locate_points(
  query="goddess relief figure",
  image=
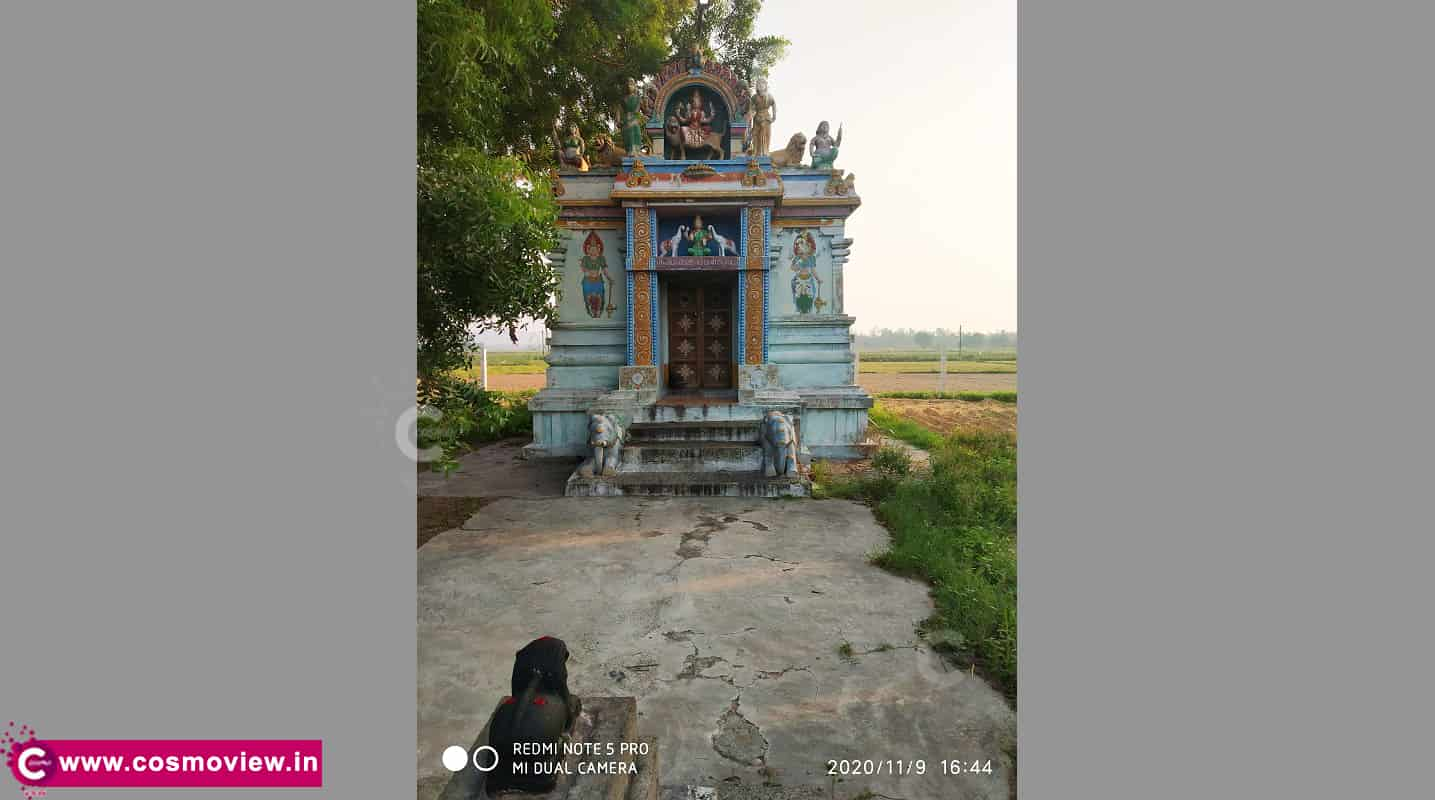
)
(762, 112)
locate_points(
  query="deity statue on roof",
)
(633, 118)
(824, 147)
(762, 112)
(572, 152)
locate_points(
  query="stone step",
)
(644, 784)
(747, 483)
(604, 720)
(720, 412)
(683, 456)
(694, 431)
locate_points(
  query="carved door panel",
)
(699, 335)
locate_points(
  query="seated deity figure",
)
(696, 122)
(571, 150)
(824, 147)
(700, 238)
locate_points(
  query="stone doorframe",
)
(753, 283)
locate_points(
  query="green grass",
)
(509, 363)
(903, 428)
(467, 416)
(954, 527)
(934, 355)
(932, 366)
(971, 397)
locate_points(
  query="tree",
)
(730, 24)
(494, 79)
(923, 339)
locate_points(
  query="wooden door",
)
(699, 334)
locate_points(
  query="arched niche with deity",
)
(700, 112)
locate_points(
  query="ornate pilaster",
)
(753, 283)
(640, 262)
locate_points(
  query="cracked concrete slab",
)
(498, 469)
(723, 617)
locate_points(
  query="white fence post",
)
(942, 376)
(483, 367)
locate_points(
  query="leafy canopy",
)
(495, 77)
(730, 23)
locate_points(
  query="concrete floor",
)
(499, 470)
(724, 618)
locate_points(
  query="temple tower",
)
(702, 286)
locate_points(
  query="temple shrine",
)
(701, 343)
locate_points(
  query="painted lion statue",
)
(791, 155)
(779, 445)
(605, 152)
(605, 438)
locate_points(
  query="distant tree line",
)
(913, 339)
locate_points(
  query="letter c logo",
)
(22, 763)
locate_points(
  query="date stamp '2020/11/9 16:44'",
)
(899, 766)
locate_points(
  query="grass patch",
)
(933, 366)
(903, 428)
(515, 363)
(954, 527)
(971, 397)
(457, 414)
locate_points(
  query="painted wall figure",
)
(596, 281)
(806, 284)
(824, 147)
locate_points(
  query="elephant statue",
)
(605, 438)
(779, 445)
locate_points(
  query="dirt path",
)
(965, 382)
(948, 416)
(514, 383)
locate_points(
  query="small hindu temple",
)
(701, 344)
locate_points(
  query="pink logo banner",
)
(166, 763)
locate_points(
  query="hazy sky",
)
(926, 93)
